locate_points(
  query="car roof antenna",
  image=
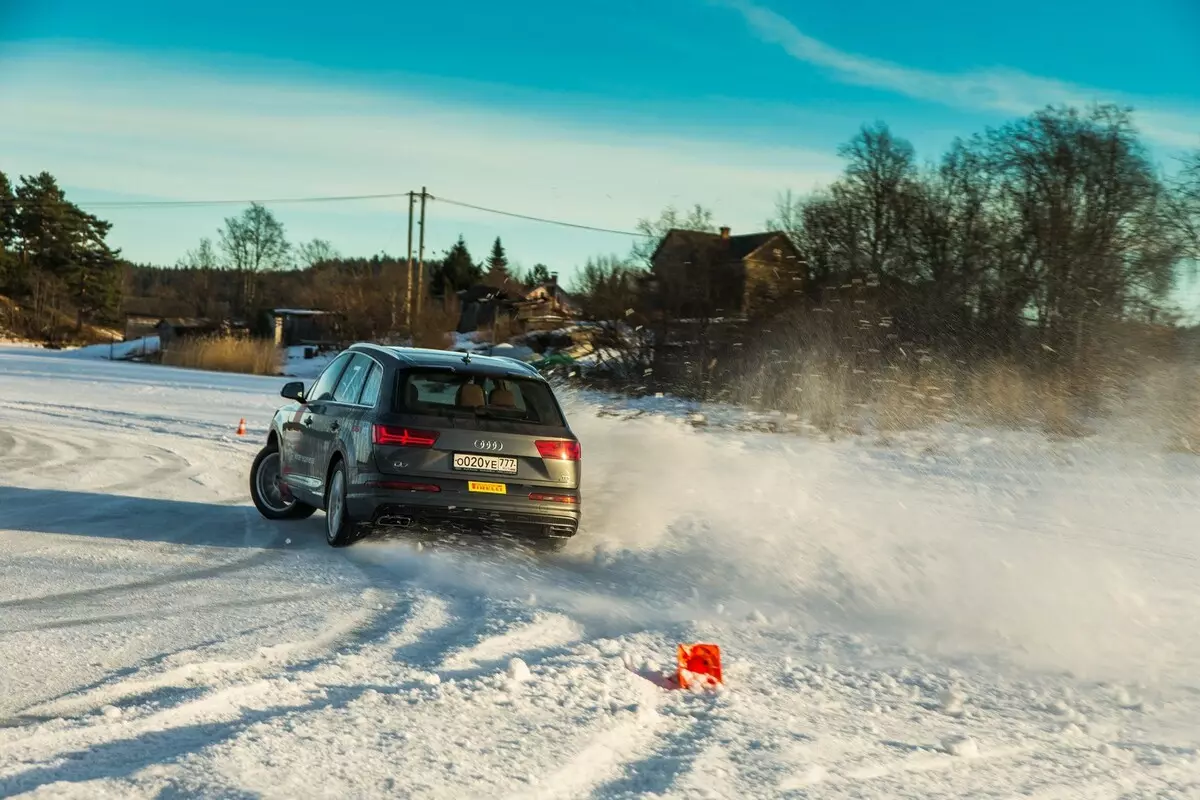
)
(467, 357)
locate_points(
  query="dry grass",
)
(1180, 411)
(225, 354)
(1004, 394)
(21, 323)
(833, 396)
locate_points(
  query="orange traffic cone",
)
(241, 431)
(699, 665)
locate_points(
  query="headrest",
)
(503, 397)
(411, 398)
(470, 395)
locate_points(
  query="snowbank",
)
(478, 344)
(117, 351)
(298, 365)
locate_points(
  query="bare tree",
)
(253, 242)
(880, 184)
(1088, 206)
(1185, 206)
(698, 218)
(203, 257)
(610, 294)
(317, 251)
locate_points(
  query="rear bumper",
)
(456, 507)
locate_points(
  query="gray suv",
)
(398, 436)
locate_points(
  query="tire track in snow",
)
(604, 756)
(82, 417)
(251, 681)
(546, 632)
(138, 463)
(171, 579)
(34, 450)
(162, 613)
(267, 659)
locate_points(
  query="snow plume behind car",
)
(980, 546)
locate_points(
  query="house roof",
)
(739, 247)
(188, 322)
(481, 292)
(565, 298)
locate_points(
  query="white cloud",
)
(142, 127)
(997, 90)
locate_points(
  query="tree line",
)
(60, 280)
(251, 266)
(1035, 235)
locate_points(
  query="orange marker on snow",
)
(241, 431)
(699, 665)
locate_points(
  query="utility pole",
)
(408, 289)
(421, 255)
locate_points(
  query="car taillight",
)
(404, 437)
(554, 498)
(560, 451)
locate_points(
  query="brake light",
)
(554, 498)
(404, 437)
(560, 451)
(405, 486)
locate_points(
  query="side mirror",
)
(293, 390)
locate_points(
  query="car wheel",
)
(268, 490)
(340, 529)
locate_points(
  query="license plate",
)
(487, 488)
(473, 462)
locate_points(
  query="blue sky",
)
(597, 113)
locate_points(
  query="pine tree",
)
(94, 276)
(8, 232)
(497, 267)
(540, 274)
(457, 271)
(63, 254)
(8, 212)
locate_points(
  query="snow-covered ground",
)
(116, 351)
(965, 615)
(297, 365)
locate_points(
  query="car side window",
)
(351, 384)
(370, 392)
(322, 390)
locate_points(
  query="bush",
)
(225, 354)
(435, 325)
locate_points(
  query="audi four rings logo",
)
(488, 444)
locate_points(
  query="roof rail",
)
(523, 365)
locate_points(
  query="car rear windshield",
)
(457, 393)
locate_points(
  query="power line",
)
(17, 202)
(136, 204)
(273, 201)
(461, 204)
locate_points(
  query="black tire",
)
(340, 528)
(269, 506)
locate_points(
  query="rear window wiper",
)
(514, 415)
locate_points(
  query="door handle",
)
(308, 420)
(334, 426)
